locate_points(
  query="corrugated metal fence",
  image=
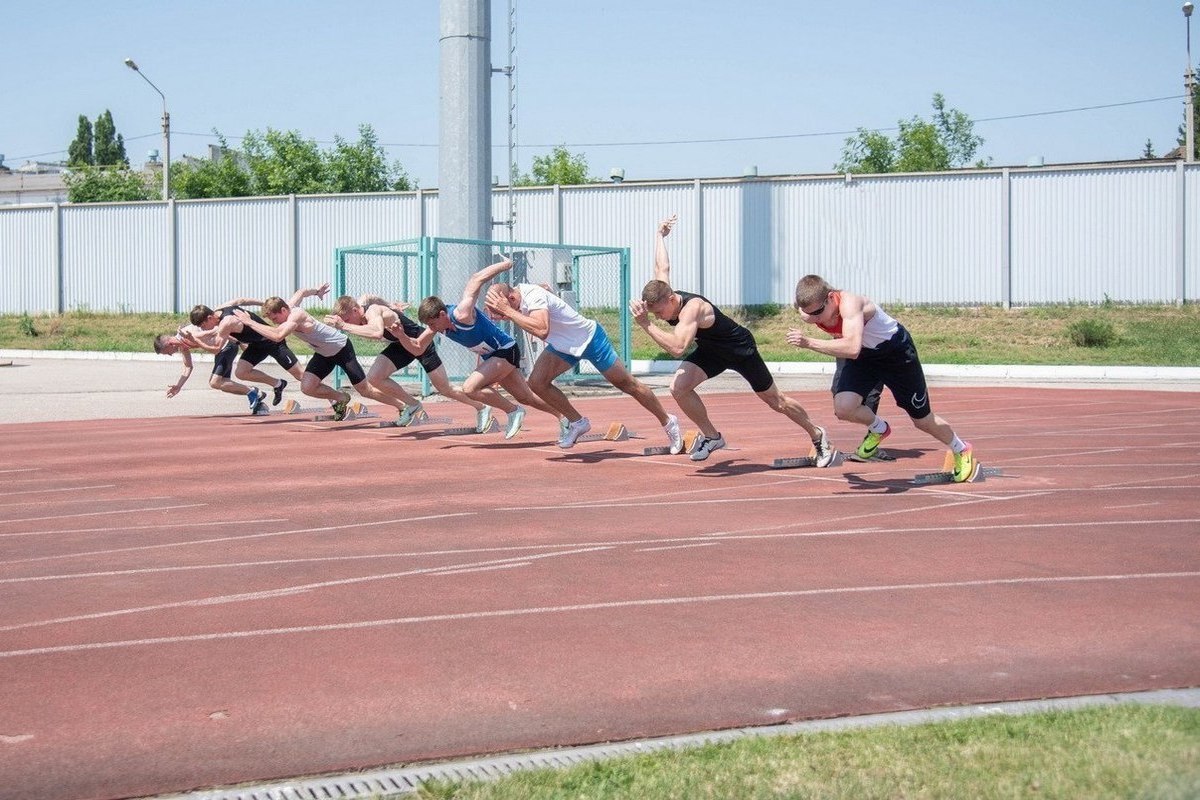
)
(1126, 233)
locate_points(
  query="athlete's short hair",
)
(656, 291)
(199, 314)
(811, 289)
(273, 305)
(431, 307)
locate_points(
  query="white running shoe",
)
(824, 452)
(483, 419)
(514, 422)
(707, 446)
(673, 434)
(576, 429)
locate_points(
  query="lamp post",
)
(1189, 79)
(129, 62)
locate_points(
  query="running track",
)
(194, 602)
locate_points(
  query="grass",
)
(1126, 751)
(1107, 335)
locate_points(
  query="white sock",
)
(879, 425)
(957, 445)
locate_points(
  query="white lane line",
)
(286, 591)
(72, 488)
(125, 528)
(674, 547)
(1131, 505)
(23, 469)
(1148, 481)
(65, 500)
(102, 513)
(602, 606)
(222, 539)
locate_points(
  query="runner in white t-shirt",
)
(570, 338)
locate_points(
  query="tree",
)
(560, 168)
(1148, 150)
(80, 151)
(362, 166)
(224, 176)
(109, 146)
(90, 184)
(279, 162)
(948, 141)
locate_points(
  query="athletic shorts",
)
(257, 352)
(223, 362)
(510, 354)
(870, 400)
(321, 366)
(599, 352)
(401, 358)
(751, 366)
(895, 364)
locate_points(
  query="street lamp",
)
(1189, 79)
(129, 62)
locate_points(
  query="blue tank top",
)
(483, 337)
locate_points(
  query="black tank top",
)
(411, 329)
(724, 334)
(246, 335)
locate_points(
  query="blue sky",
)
(626, 83)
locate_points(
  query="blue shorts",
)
(599, 352)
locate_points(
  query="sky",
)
(663, 89)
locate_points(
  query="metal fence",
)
(1087, 234)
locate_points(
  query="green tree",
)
(1148, 150)
(560, 168)
(79, 153)
(284, 163)
(224, 176)
(90, 184)
(109, 146)
(362, 166)
(948, 141)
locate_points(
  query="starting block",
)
(417, 421)
(806, 461)
(947, 474)
(355, 410)
(616, 432)
(691, 440)
(493, 427)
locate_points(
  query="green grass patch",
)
(1113, 752)
(1131, 335)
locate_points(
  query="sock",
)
(279, 383)
(879, 425)
(957, 445)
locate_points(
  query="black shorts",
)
(870, 400)
(223, 362)
(401, 358)
(257, 352)
(895, 364)
(749, 365)
(510, 354)
(321, 366)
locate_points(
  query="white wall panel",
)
(116, 257)
(1087, 235)
(28, 244)
(234, 248)
(1081, 235)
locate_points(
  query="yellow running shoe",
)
(964, 464)
(870, 442)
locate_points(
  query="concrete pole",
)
(465, 140)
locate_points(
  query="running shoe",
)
(964, 464)
(410, 414)
(707, 446)
(672, 429)
(261, 410)
(515, 418)
(483, 419)
(279, 392)
(870, 442)
(339, 409)
(574, 430)
(825, 454)
(254, 398)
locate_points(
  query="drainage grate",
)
(407, 780)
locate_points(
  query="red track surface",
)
(197, 602)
